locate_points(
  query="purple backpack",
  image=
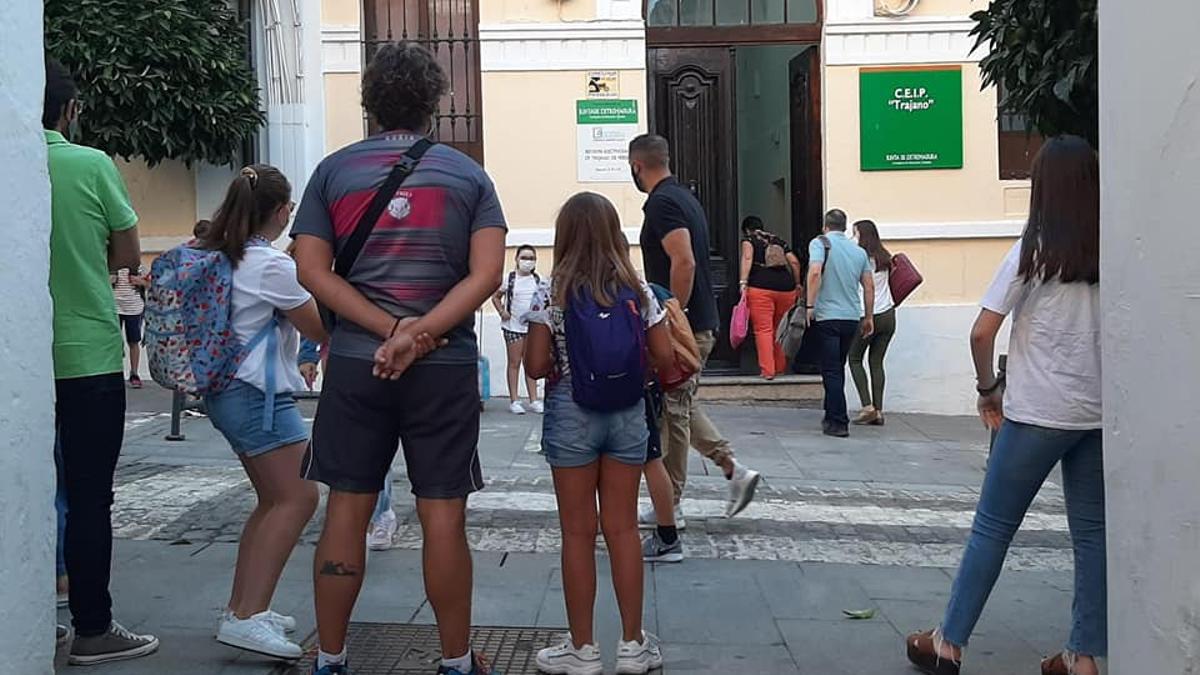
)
(607, 351)
(189, 334)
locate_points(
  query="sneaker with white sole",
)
(565, 659)
(648, 519)
(286, 624)
(382, 531)
(257, 634)
(741, 489)
(538, 407)
(116, 644)
(656, 551)
(516, 408)
(637, 658)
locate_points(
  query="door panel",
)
(692, 106)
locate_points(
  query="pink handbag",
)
(739, 323)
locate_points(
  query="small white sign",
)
(604, 130)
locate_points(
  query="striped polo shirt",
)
(419, 248)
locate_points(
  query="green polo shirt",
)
(88, 202)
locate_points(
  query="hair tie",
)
(252, 175)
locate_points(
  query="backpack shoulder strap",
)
(827, 245)
(508, 290)
(400, 172)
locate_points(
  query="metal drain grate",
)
(400, 649)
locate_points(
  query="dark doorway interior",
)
(744, 127)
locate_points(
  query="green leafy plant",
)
(165, 79)
(1044, 59)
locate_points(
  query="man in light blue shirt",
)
(837, 268)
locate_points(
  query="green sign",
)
(606, 112)
(911, 118)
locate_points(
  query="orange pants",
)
(766, 310)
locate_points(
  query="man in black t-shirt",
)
(674, 241)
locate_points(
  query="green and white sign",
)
(911, 118)
(604, 129)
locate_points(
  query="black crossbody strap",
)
(400, 173)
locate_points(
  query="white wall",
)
(26, 400)
(1150, 289)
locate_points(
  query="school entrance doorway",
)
(735, 89)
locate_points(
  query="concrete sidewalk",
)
(873, 522)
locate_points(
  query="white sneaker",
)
(516, 408)
(741, 489)
(382, 531)
(565, 659)
(636, 658)
(257, 634)
(648, 520)
(538, 407)
(285, 623)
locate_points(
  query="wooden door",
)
(805, 110)
(692, 106)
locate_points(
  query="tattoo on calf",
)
(330, 568)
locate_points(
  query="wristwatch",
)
(986, 391)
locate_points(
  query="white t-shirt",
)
(264, 284)
(1054, 348)
(129, 301)
(883, 289)
(524, 288)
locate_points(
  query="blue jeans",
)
(834, 339)
(60, 507)
(1021, 460)
(384, 502)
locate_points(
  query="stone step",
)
(802, 391)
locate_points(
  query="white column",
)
(27, 531)
(1150, 289)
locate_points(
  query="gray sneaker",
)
(117, 644)
(654, 550)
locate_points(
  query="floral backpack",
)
(189, 334)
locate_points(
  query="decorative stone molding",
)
(341, 49)
(882, 41)
(593, 45)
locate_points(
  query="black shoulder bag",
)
(354, 245)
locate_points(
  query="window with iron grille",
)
(450, 30)
(697, 13)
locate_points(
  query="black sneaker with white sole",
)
(116, 644)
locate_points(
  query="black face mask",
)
(637, 178)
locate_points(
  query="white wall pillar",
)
(26, 400)
(1150, 289)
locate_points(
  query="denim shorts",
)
(237, 412)
(574, 437)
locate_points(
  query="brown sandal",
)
(1062, 663)
(923, 652)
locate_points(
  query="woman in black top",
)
(770, 279)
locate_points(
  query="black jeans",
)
(833, 344)
(90, 416)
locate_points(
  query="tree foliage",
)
(160, 79)
(1044, 58)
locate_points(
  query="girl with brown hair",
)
(591, 451)
(870, 393)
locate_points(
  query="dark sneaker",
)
(135, 382)
(117, 644)
(480, 667)
(62, 635)
(654, 550)
(340, 669)
(837, 430)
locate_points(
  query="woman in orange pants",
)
(770, 278)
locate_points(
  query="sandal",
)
(1062, 663)
(924, 651)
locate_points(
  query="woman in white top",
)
(871, 394)
(513, 301)
(1048, 413)
(257, 413)
(128, 286)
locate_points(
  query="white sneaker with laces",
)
(565, 659)
(382, 531)
(741, 489)
(648, 519)
(516, 408)
(637, 658)
(258, 635)
(538, 407)
(285, 623)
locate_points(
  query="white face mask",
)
(526, 266)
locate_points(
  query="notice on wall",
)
(603, 84)
(604, 130)
(911, 118)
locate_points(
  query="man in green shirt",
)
(93, 231)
